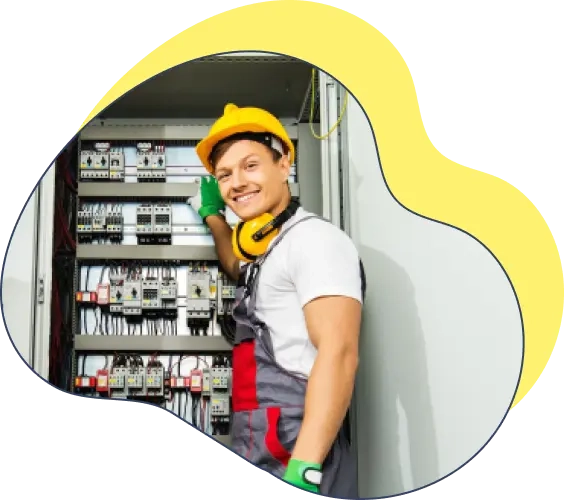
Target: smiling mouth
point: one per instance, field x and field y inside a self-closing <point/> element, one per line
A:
<point x="242" y="198"/>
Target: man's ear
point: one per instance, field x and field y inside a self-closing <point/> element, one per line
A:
<point x="284" y="164"/>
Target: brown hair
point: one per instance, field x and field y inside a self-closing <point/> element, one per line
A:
<point x="223" y="146"/>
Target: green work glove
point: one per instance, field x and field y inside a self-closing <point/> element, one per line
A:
<point x="304" y="475"/>
<point x="208" y="201"/>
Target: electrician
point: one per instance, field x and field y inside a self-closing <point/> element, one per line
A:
<point x="298" y="309"/>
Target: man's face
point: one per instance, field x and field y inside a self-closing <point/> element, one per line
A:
<point x="250" y="181"/>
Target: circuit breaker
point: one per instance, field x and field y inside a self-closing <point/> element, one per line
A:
<point x="226" y="290"/>
<point x="114" y="225"/>
<point x="117" y="165"/>
<point x="221" y="378"/>
<point x="132" y="295"/>
<point x="136" y="381"/>
<point x="198" y="299"/>
<point x="220" y="406"/>
<point x="151" y="163"/>
<point x="116" y="293"/>
<point x="151" y="295"/>
<point x="162" y="223"/>
<point x="84" y="225"/>
<point x="168" y="295"/>
<point x="117" y="382"/>
<point x="144" y="223"/>
<point x="155" y="381"/>
<point x="99" y="223"/>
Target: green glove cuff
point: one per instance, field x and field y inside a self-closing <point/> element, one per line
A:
<point x="212" y="202"/>
<point x="304" y="475"/>
<point x="209" y="210"/>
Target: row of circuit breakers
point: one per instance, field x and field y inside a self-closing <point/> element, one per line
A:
<point x="157" y="296"/>
<point x="129" y="379"/>
<point x="107" y="163"/>
<point x="153" y="223"/>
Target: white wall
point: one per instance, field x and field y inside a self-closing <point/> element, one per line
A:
<point x="441" y="345"/>
<point x="18" y="281"/>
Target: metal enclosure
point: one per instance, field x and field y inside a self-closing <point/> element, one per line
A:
<point x="26" y="280"/>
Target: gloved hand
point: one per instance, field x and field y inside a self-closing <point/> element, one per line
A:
<point x="304" y="475"/>
<point x="208" y="201"/>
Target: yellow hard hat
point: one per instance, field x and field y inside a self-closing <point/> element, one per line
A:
<point x="237" y="120"/>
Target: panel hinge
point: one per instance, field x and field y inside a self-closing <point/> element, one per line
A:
<point x="41" y="290"/>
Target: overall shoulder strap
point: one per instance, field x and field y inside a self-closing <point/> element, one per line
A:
<point x="281" y="236"/>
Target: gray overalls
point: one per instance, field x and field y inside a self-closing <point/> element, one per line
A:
<point x="268" y="401"/>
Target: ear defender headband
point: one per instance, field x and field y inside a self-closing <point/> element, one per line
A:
<point x="250" y="239"/>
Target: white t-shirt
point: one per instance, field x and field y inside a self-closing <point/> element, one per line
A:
<point x="315" y="258"/>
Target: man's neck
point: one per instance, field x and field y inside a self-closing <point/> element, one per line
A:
<point x="280" y="207"/>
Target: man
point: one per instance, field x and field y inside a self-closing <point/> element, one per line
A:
<point x="298" y="308"/>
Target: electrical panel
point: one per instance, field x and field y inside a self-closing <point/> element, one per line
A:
<point x="152" y="309"/>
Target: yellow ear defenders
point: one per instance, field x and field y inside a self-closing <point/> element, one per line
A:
<point x="250" y="239"/>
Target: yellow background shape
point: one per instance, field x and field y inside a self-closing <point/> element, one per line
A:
<point x="419" y="176"/>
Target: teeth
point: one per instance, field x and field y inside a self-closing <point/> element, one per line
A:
<point x="246" y="197"/>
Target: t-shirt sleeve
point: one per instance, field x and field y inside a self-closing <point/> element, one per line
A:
<point x="324" y="261"/>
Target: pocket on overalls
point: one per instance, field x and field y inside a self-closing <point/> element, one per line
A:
<point x="283" y="427"/>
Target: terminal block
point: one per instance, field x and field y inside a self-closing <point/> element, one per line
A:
<point x="154" y="382"/>
<point x="114" y="225"/>
<point x="116" y="294"/>
<point x="162" y="224"/>
<point x="117" y="382"/>
<point x="206" y="383"/>
<point x="84" y="225"/>
<point x="117" y="166"/>
<point x="151" y="296"/>
<point x="144" y="224"/>
<point x="132" y="294"/>
<point x="198" y="300"/>
<point x="99" y="224"/>
<point x="225" y="294"/>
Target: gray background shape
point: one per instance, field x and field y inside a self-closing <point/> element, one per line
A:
<point x="28" y="190"/>
<point x="442" y="340"/>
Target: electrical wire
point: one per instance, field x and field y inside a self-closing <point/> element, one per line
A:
<point x="342" y="114"/>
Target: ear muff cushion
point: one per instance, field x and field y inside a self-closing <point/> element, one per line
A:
<point x="243" y="244"/>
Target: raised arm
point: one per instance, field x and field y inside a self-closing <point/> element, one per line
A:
<point x="211" y="208"/>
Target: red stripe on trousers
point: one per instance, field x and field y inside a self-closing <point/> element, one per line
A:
<point x="244" y="391"/>
<point x="271" y="439"/>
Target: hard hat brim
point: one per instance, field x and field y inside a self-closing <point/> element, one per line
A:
<point x="205" y="146"/>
